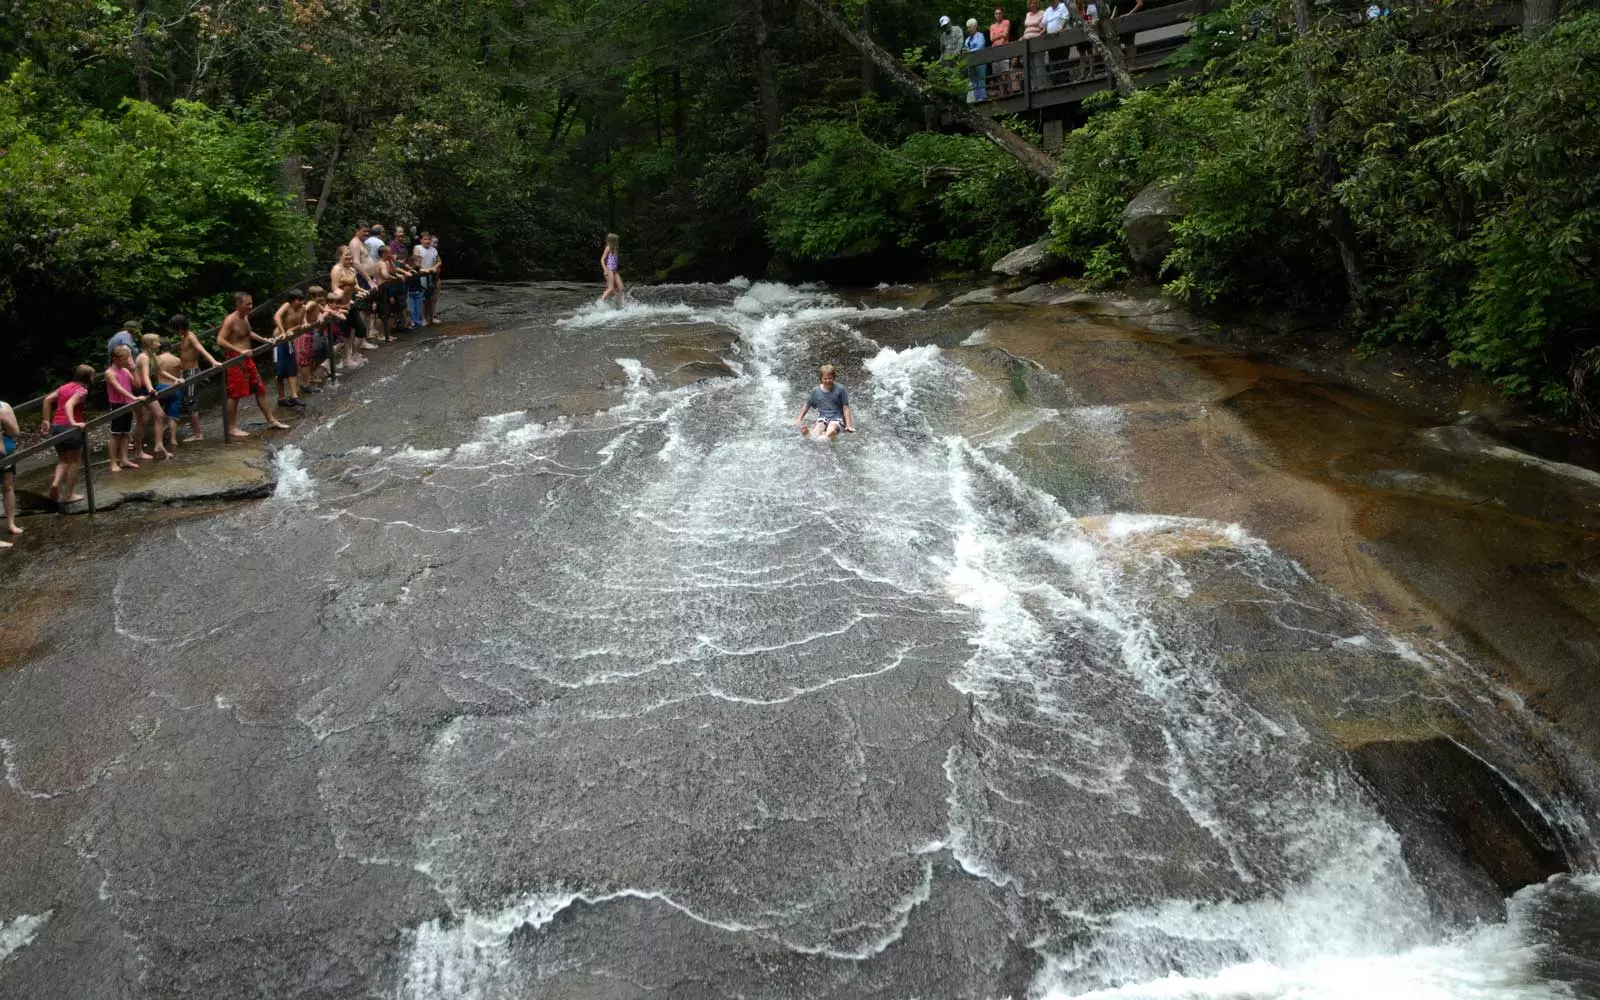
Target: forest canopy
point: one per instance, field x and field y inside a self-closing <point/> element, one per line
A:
<point x="1420" y="175"/>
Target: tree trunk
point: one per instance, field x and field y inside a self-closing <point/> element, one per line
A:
<point x="1103" y="39"/>
<point x="327" y="179"/>
<point x="867" y="83"/>
<point x="766" y="73"/>
<point x="680" y="122"/>
<point x="1036" y="160"/>
<point x="1339" y="224"/>
<point x="141" y="51"/>
<point x="1539" y="14"/>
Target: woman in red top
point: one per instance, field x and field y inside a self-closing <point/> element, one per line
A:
<point x="63" y="418"/>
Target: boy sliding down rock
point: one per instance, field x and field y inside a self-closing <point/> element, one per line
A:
<point x="832" y="404"/>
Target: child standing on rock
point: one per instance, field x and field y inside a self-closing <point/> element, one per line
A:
<point x="119" y="393"/>
<point x="608" y="264"/>
<point x="63" y="420"/>
<point x="190" y="351"/>
<point x="168" y="373"/>
<point x="145" y="378"/>
<point x="9" y="432"/>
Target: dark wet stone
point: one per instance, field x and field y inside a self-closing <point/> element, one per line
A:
<point x="1033" y="260"/>
<point x="1147" y="225"/>
<point x="1447" y="802"/>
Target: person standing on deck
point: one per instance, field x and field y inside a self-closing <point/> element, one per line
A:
<point x="949" y="41"/>
<point x="980" y="73"/>
<point x="832" y="404"/>
<point x="1056" y="17"/>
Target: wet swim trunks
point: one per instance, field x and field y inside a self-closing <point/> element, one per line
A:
<point x="243" y="379"/>
<point x="173" y="404"/>
<point x="284" y="360"/>
<point x="191" y="391"/>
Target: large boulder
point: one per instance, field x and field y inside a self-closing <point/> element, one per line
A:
<point x="1147" y="226"/>
<point x="1032" y="261"/>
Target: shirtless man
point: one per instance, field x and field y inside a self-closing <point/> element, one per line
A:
<point x="287" y="323"/>
<point x="236" y="338"/>
<point x="190" y="351"/>
<point x="359" y="254"/>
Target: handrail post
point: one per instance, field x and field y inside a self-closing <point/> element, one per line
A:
<point x="1027" y="74"/>
<point x="88" y="469"/>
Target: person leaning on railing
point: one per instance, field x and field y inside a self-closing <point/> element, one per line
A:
<point x="63" y="421"/>
<point x="190" y="351"/>
<point x="433" y="270"/>
<point x="10" y="432"/>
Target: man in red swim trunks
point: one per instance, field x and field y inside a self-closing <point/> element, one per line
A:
<point x="236" y="338"/>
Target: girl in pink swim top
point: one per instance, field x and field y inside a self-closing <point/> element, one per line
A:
<point x="608" y="264"/>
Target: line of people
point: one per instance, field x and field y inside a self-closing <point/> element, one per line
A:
<point x="378" y="289"/>
<point x="1003" y="78"/>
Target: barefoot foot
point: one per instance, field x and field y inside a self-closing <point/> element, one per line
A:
<point x="278" y="425"/>
<point x="15" y="530"/>
<point x="237" y="433"/>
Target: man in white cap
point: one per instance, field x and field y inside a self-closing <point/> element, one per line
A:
<point x="949" y="41"/>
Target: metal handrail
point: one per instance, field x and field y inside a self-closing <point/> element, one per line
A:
<point x="268" y="305"/>
<point x="82" y="433"/>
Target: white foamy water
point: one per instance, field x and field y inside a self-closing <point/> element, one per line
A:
<point x="293" y="479"/>
<point x="1309" y="947"/>
<point x="19" y="932"/>
<point x="709" y="707"/>
<point x="1110" y="757"/>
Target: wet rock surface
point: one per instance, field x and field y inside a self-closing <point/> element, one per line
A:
<point x="559" y="665"/>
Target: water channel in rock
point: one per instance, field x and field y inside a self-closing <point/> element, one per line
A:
<point x="559" y="665"/>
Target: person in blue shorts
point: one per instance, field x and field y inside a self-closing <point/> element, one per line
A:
<point x="9" y="433"/>
<point x="832" y="404"/>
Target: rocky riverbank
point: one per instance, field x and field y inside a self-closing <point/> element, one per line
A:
<point x="1399" y="484"/>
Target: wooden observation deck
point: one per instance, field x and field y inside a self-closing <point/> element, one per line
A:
<point x="1060" y="69"/>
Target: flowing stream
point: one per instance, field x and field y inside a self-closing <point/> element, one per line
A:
<point x="583" y="675"/>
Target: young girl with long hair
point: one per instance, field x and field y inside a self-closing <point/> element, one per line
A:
<point x="608" y="264"/>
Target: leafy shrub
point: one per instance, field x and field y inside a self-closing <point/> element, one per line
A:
<point x="143" y="213"/>
<point x="1463" y="160"/>
<point x="842" y="193"/>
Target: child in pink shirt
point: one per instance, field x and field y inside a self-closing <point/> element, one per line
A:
<point x="63" y="418"/>
<point x="119" y="392"/>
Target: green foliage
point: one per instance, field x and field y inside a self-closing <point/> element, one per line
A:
<point x="1462" y="161"/>
<point x="845" y="194"/>
<point x="137" y="211"/>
